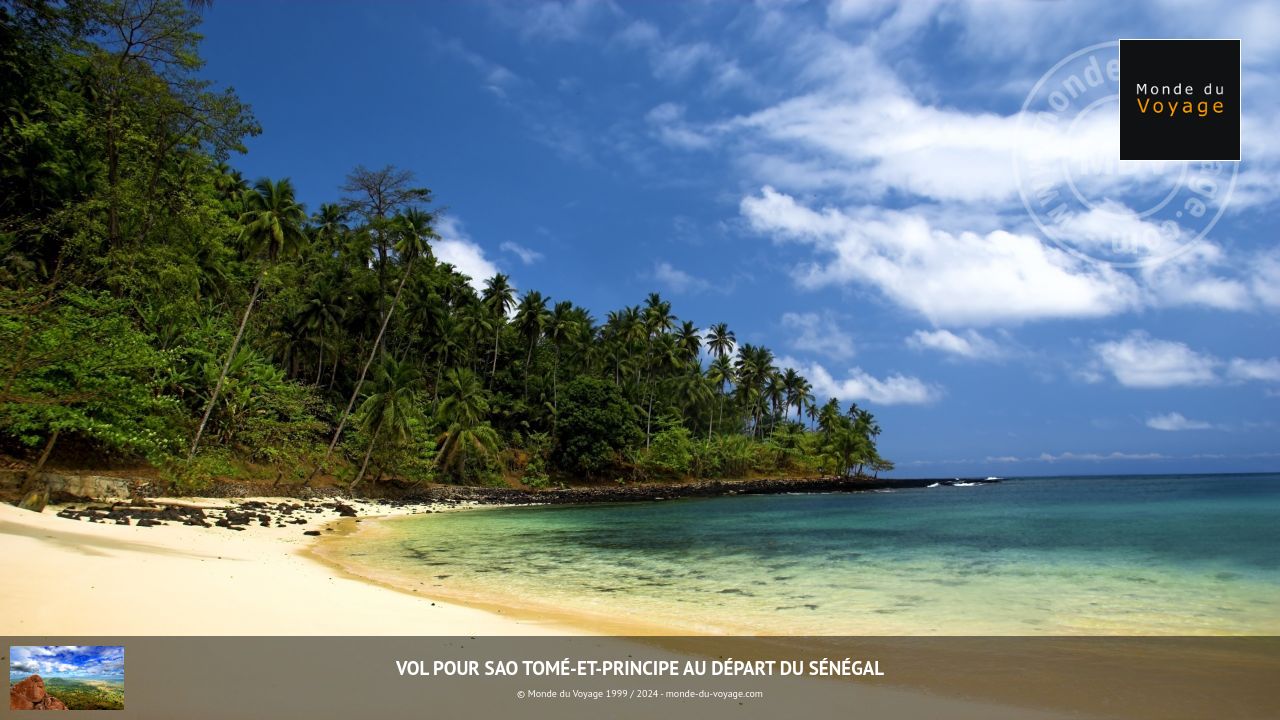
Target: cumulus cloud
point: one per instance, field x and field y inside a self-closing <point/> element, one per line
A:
<point x="949" y="278"/>
<point x="1174" y="421"/>
<point x="860" y="386"/>
<point x="969" y="344"/>
<point x="1141" y="361"/>
<point x="1245" y="370"/>
<point x="676" y="280"/>
<point x="819" y="334"/>
<point x="455" y="247"/>
<point x="84" y="661"/>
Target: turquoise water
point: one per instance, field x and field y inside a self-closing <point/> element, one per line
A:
<point x="1168" y="555"/>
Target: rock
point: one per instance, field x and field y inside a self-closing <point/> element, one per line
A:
<point x="311" y="532"/>
<point x="97" y="487"/>
<point x="29" y="694"/>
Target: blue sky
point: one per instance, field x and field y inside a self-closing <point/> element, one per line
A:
<point x="834" y="180"/>
<point x="96" y="662"/>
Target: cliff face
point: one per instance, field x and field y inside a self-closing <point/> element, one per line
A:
<point x="29" y="694"/>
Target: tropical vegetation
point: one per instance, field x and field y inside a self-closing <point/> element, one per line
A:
<point x="158" y="307"/>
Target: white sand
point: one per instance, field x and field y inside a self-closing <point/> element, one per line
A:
<point x="73" y="577"/>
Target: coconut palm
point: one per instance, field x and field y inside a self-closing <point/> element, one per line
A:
<point x="720" y="373"/>
<point x="270" y="228"/>
<point x="321" y="318"/>
<point x="413" y="229"/>
<point x="561" y="328"/>
<point x="391" y="408"/>
<point x="531" y="318"/>
<point x="499" y="297"/>
<point x="720" y="340"/>
<point x="463" y="408"/>
<point x="689" y="341"/>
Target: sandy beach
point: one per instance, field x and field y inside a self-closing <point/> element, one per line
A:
<point x="98" y="579"/>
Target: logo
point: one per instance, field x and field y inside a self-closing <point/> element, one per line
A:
<point x="1080" y="192"/>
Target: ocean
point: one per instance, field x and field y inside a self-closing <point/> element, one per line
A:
<point x="1115" y="555"/>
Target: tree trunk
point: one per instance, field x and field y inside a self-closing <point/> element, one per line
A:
<point x="555" y="390"/>
<point x="368" y="453"/>
<point x="493" y="371"/>
<point x="320" y="361"/>
<point x="355" y="392"/>
<point x="528" y="359"/>
<point x="226" y="366"/>
<point x="35" y="494"/>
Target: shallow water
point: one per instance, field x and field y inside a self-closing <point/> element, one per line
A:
<point x="1166" y="555"/>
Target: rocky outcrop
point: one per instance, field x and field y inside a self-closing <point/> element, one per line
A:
<point x="29" y="694"/>
<point x="96" y="487"/>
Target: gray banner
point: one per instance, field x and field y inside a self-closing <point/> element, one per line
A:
<point x="694" y="677"/>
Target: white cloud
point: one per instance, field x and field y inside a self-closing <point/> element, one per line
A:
<point x="1174" y="421"/>
<point x="947" y="277"/>
<point x="860" y="386"/>
<point x="1141" y="361"/>
<point x="1049" y="457"/>
<point x="676" y="62"/>
<point x="560" y="20"/>
<point x="1244" y="370"/>
<point x="677" y="280"/>
<point x="528" y="256"/>
<point x="456" y="248"/>
<point x="970" y="344"/>
<point x="818" y="333"/>
<point x="1265" y="280"/>
<point x="495" y="77"/>
<point x="669" y="126"/>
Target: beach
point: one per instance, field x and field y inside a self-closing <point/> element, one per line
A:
<point x="99" y="580"/>
<point x="85" y="578"/>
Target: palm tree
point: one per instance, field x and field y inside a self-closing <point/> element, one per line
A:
<point x="561" y="327"/>
<point x="720" y="340"/>
<point x="720" y="373"/>
<point x="690" y="342"/>
<point x="321" y="316"/>
<point x="463" y="410"/>
<point x="330" y="228"/>
<point x="531" y="318"/>
<point x="392" y="407"/>
<point x="499" y="297"/>
<point x="775" y="393"/>
<point x="271" y="227"/>
<point x="413" y="232"/>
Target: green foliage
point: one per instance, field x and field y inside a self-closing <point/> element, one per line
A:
<point x="594" y="427"/>
<point x="672" y="451"/>
<point x="79" y="694"/>
<point x="77" y="364"/>
<point x="151" y="299"/>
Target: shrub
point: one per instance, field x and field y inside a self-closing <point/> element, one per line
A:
<point x="595" y="426"/>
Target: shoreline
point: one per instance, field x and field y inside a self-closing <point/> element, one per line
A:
<point x="96" y="579"/>
<point x="109" y="580"/>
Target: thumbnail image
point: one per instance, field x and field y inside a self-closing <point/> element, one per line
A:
<point x="66" y="677"/>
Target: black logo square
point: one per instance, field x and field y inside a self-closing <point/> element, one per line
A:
<point x="1179" y="99"/>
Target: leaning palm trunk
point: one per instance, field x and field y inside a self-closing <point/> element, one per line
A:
<point x="226" y="366"/>
<point x="355" y="391"/>
<point x="367" y="454"/>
